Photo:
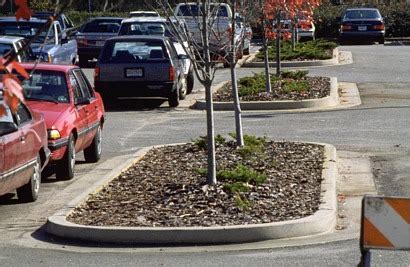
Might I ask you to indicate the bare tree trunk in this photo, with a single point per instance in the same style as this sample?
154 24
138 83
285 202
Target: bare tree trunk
266 57
237 106
278 36
211 178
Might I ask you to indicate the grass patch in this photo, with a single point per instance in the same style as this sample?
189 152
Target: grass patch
318 49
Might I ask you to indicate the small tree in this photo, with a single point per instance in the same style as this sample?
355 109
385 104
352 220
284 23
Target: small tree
203 59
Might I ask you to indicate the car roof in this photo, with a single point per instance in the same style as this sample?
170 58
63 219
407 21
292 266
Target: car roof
143 11
47 66
139 37
362 8
13 19
144 19
107 18
9 39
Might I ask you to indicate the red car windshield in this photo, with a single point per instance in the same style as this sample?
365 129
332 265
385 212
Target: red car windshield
47 86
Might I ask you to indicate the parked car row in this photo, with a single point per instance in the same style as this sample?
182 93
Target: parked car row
62 116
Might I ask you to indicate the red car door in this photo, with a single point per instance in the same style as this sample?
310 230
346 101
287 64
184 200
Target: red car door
91 108
81 117
27 149
9 152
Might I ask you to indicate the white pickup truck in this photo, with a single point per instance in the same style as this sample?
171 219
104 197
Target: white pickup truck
222 17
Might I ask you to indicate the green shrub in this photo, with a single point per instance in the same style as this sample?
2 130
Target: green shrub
202 141
236 187
315 49
295 86
297 75
253 85
242 174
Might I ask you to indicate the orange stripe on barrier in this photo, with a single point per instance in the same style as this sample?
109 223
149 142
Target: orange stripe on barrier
401 206
372 237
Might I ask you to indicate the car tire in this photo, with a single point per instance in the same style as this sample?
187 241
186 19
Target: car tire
190 82
83 61
29 192
65 166
183 88
94 151
173 100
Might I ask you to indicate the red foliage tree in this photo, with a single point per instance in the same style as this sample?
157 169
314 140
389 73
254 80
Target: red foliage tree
12 90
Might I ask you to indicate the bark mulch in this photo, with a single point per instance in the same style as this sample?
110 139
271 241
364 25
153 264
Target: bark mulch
165 188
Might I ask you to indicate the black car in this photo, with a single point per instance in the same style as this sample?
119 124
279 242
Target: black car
92 35
140 66
365 24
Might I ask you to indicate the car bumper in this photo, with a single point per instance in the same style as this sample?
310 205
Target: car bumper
58 149
373 35
89 51
306 34
135 89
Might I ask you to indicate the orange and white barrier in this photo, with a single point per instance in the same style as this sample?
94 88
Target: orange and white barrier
385 224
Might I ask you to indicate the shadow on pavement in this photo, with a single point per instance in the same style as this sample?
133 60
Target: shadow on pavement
41 235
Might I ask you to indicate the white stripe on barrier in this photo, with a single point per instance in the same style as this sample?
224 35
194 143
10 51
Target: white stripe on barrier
388 222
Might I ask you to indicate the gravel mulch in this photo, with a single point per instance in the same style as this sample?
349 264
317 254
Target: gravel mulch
164 189
319 87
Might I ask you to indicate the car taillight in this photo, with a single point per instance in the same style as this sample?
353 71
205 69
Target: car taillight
171 73
378 27
345 27
81 42
97 73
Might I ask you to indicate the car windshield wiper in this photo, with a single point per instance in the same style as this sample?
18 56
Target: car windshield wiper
44 98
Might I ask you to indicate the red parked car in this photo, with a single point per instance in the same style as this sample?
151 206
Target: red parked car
73 111
23 152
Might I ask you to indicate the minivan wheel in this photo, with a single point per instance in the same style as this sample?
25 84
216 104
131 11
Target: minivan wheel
65 166
173 100
29 192
183 89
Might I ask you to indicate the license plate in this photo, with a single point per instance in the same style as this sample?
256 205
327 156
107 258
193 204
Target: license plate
136 72
99 43
362 28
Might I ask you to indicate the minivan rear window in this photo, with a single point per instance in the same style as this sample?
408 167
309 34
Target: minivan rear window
133 51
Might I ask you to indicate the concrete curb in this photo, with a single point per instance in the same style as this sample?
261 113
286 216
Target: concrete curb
328 101
322 221
293 64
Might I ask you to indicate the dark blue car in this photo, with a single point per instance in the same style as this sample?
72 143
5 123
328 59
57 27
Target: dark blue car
362 24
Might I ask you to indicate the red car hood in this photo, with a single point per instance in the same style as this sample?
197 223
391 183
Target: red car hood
51 111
